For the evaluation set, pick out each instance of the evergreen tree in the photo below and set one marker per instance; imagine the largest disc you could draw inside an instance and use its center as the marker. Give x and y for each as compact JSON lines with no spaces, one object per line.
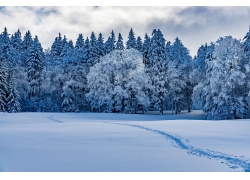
{"x":119,"y":43}
{"x":13,"y":104}
{"x":3,"y":86}
{"x":100,"y":46}
{"x":34,"y":66}
{"x":145,"y":49}
{"x":110,"y":43}
{"x":4,"y":47}
{"x":79,"y":42}
{"x":56,"y":50}
{"x":93,"y":52}
{"x":131,"y":43}
{"x":179,"y":68}
{"x":157,"y":70}
{"x":138,"y":44}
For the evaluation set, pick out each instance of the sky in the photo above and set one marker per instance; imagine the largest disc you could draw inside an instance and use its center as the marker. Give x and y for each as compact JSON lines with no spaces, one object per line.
{"x":193,"y":25}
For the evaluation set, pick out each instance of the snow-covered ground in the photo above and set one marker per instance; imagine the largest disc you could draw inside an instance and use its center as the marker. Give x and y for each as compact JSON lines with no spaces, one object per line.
{"x":122,"y":142}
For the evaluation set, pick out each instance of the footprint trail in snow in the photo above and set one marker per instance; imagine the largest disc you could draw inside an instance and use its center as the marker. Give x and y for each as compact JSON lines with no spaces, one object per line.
{"x":233,"y":162}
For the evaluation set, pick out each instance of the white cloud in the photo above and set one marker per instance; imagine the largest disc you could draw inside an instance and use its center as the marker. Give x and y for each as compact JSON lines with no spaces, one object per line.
{"x":193,"y":25}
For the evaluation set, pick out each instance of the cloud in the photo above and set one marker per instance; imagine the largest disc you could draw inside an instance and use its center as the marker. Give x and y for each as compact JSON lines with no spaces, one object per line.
{"x":193,"y":25}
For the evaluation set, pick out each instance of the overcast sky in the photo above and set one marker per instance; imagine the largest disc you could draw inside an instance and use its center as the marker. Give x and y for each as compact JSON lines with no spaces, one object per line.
{"x":194,"y":25}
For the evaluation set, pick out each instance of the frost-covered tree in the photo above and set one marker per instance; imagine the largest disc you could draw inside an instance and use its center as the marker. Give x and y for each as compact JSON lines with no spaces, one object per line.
{"x":157,"y":68}
{"x":245,"y":66}
{"x":79,"y":42}
{"x":34,"y":66}
{"x":138,"y":44}
{"x":224,"y":98}
{"x":110,"y":43}
{"x":100,"y":46}
{"x":5,"y":47}
{"x":118,"y":83}
{"x":3,"y":86}
{"x":179,"y":85}
{"x":145,"y":49}
{"x":131,"y":43}
{"x":198,"y":75}
{"x":12,"y":99}
{"x":119,"y":43}
{"x":56,"y":50}
{"x":93,"y":51}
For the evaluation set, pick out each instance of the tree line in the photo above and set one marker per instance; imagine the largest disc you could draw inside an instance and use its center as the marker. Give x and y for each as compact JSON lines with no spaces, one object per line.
{"x":131,"y":77}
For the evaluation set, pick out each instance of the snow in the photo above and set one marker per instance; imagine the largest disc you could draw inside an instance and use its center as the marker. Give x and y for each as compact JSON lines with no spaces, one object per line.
{"x":72,"y":142}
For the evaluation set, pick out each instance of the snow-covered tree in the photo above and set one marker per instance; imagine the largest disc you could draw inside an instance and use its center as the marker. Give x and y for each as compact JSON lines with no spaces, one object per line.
{"x":179,"y":85}
{"x":118,"y":83}
{"x":100,"y":46}
{"x":12,"y":99}
{"x":138,"y":44}
{"x":3,"y":86}
{"x":223,"y":89}
{"x":119,"y":43}
{"x":131,"y":43}
{"x":145,"y":49}
{"x":156,"y":68}
{"x":34,"y":66}
{"x":110,"y":43}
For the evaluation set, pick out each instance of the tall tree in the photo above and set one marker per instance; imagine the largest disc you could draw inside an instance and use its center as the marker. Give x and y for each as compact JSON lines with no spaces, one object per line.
{"x":138,"y":44}
{"x":34,"y":66}
{"x":119,"y":43}
{"x":145,"y":49}
{"x":224,"y":81}
{"x":13,"y":104}
{"x":157,"y":70}
{"x":131,"y":43}
{"x":3,"y":86}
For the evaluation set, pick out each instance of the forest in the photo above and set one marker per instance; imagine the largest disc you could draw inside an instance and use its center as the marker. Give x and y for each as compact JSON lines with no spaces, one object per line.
{"x":118,"y":76}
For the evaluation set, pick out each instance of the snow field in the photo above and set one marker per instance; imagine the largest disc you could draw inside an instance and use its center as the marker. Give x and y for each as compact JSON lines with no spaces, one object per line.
{"x":84,"y":142}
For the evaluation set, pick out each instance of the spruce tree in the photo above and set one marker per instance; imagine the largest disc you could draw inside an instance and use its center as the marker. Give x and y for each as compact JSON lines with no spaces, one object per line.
{"x":100,"y":46}
{"x":157,"y":70}
{"x":119,"y":43}
{"x":3,"y":86}
{"x":145,"y":50}
{"x":12,"y":99}
{"x":34,"y":66}
{"x":131,"y":43}
{"x":138,"y":44}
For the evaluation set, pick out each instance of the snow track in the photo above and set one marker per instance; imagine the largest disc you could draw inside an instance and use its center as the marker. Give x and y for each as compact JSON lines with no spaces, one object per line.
{"x":52,"y":119}
{"x":233,"y":162}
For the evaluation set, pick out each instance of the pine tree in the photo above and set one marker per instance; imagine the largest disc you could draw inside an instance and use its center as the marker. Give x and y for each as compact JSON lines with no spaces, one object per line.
{"x":15,"y":53}
{"x":119,"y":43}
{"x":3,"y":86}
{"x":145,"y":49}
{"x":34,"y":66}
{"x":93,"y":52}
{"x":5,"y":47}
{"x":56,"y":50}
{"x":100,"y":46}
{"x":157,"y":70}
{"x":110,"y":43}
{"x":179,"y":68}
{"x":131,"y":43}
{"x":138,"y":44}
{"x":79,"y":42}
{"x":13,"y":104}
